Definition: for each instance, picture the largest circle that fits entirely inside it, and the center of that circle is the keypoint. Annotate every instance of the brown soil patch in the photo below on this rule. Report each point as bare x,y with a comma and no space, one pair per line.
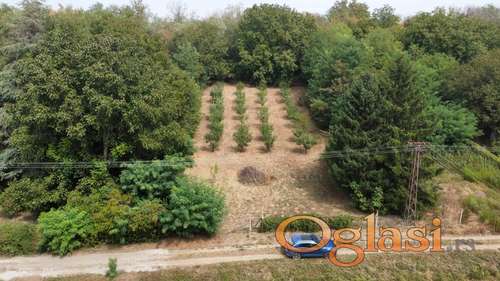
252,176
300,184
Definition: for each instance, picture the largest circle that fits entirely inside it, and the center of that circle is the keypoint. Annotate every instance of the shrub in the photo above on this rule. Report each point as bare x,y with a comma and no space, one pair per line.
194,208
240,86
267,134
116,219
213,137
242,136
18,238
216,116
262,95
488,208
301,137
306,140
144,220
153,180
340,221
65,230
270,223
30,195
264,114
112,271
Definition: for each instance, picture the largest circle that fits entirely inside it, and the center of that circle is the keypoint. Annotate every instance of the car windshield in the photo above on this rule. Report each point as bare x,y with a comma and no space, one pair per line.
306,244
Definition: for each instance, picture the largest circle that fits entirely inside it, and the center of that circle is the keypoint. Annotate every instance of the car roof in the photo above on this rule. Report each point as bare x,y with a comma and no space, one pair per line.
302,238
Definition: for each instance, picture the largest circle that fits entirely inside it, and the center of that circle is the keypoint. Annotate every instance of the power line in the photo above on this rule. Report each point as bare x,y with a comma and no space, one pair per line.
87,165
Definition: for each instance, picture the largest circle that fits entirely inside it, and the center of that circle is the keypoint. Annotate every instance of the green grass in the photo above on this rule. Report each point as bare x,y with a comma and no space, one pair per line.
481,166
475,165
459,266
18,238
487,207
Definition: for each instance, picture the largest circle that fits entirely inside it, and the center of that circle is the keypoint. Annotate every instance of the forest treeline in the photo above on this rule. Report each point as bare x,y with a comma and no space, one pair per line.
116,84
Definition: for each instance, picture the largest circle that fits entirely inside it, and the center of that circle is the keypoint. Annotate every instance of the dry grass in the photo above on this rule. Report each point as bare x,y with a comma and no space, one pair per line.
419,267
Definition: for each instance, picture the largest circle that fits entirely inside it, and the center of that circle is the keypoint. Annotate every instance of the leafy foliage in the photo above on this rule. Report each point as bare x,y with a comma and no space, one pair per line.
380,110
301,136
352,13
270,223
32,195
329,64
270,43
216,125
65,230
242,136
18,238
194,208
88,91
112,271
210,40
450,33
476,85
153,180
488,208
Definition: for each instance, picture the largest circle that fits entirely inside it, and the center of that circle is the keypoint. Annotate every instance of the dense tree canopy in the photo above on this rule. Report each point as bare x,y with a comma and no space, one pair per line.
476,85
329,63
382,108
211,43
451,33
99,86
353,13
270,43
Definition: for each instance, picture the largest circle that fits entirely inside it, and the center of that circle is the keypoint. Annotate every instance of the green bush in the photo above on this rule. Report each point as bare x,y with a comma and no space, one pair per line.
216,117
270,223
270,43
488,208
240,103
30,195
242,136
65,230
194,208
301,137
144,220
153,180
307,141
112,271
262,95
18,238
266,130
264,114
116,218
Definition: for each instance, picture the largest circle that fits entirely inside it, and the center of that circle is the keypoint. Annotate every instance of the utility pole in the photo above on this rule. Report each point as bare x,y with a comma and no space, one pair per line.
411,205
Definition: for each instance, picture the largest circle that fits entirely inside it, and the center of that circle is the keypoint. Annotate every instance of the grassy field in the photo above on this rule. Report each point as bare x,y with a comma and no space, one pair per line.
454,267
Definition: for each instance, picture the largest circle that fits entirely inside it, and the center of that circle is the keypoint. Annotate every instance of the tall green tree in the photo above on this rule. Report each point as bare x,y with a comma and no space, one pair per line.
354,14
382,108
329,63
98,86
450,33
476,85
211,41
270,43
386,17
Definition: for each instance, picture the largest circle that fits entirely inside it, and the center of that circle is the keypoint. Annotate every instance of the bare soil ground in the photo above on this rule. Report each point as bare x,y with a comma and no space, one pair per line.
298,184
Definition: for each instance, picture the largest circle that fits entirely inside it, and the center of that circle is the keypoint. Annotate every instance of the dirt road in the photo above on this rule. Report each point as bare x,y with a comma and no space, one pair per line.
157,259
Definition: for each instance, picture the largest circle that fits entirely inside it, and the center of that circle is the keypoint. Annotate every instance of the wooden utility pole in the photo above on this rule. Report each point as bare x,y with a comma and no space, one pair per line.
411,205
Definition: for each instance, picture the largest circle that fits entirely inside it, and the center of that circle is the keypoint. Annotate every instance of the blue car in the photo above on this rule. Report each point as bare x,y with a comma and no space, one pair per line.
308,241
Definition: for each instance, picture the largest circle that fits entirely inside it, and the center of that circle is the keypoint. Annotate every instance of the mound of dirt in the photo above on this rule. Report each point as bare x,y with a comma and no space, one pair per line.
251,176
